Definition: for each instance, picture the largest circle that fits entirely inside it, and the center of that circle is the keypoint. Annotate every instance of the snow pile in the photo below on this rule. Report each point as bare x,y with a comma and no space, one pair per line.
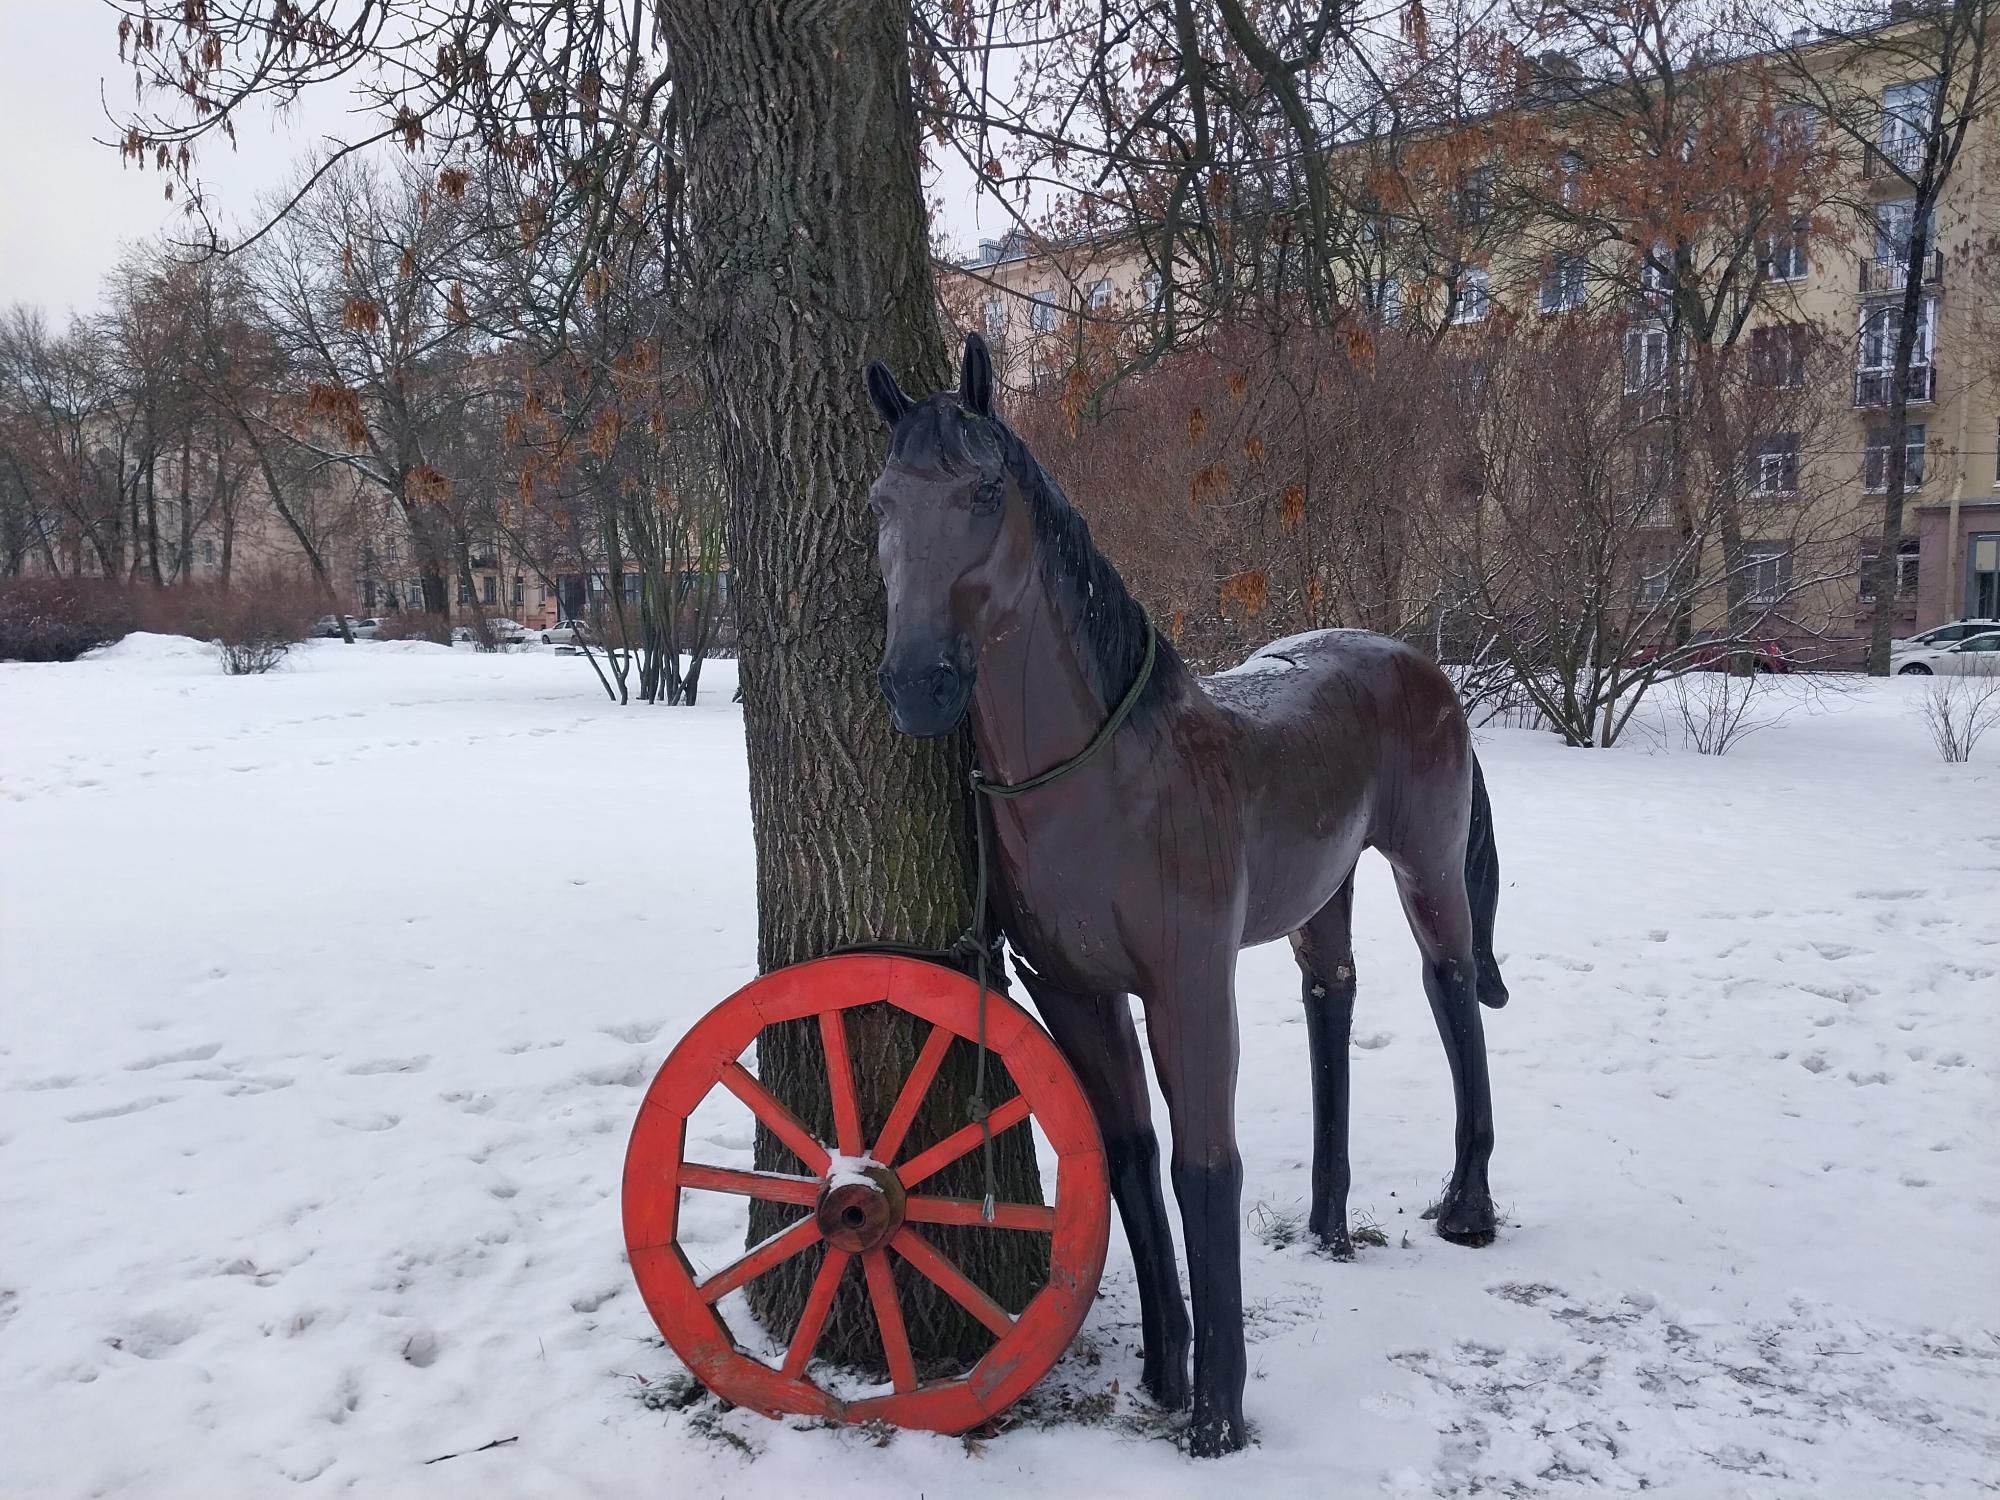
329,998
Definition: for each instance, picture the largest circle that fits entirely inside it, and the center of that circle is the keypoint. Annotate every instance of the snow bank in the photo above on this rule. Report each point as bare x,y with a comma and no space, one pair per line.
330,996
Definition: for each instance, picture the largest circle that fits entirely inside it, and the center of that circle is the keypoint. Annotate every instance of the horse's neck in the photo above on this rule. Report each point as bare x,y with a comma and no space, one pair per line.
1034,703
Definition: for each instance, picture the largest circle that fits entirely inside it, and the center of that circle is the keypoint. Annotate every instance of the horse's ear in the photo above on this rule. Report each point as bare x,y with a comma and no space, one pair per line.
975,377
886,394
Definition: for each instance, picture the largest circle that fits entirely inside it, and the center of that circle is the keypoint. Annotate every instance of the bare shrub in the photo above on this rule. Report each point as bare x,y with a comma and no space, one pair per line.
415,625
1718,710
58,619
1958,711
254,627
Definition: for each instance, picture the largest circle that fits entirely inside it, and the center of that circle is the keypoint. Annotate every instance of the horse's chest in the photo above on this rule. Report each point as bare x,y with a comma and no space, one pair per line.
1060,901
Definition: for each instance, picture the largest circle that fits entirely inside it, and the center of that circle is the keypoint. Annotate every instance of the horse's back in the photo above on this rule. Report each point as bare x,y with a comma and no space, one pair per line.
1343,739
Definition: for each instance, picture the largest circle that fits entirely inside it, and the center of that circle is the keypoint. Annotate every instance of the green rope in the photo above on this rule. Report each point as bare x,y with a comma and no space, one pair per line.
976,935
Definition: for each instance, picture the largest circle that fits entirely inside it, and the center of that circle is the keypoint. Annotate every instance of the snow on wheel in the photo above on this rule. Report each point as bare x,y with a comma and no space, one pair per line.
866,1198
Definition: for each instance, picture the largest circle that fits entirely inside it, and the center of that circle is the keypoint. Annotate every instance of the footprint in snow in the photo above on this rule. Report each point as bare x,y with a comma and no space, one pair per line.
371,1121
1897,893
638,1032
151,1101
390,1065
185,1054
1374,1041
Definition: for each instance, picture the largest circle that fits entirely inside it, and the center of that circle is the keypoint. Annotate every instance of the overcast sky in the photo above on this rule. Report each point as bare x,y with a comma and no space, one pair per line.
68,205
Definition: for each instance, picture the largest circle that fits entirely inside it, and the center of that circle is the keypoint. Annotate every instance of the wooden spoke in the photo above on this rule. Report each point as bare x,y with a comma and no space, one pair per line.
915,1087
775,1251
966,1211
935,1264
955,1145
840,1082
772,1187
781,1121
889,1318
819,1302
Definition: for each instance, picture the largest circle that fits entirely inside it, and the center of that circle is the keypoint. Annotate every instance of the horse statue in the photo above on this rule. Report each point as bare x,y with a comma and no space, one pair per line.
1147,824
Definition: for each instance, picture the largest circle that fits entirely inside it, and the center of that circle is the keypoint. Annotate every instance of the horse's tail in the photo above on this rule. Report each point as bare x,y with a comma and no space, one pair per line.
1482,887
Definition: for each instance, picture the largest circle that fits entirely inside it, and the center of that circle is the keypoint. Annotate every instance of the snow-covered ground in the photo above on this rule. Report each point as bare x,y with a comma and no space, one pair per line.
329,997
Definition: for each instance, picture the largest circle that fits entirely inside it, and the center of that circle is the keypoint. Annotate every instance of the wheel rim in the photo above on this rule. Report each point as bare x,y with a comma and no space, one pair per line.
866,1198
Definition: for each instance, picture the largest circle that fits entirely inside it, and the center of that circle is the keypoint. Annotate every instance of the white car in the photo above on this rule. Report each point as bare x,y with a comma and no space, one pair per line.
367,630
1942,635
1977,655
569,633
506,632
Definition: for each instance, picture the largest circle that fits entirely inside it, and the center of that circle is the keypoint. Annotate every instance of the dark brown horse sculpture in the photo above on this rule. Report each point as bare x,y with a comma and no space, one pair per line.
1223,811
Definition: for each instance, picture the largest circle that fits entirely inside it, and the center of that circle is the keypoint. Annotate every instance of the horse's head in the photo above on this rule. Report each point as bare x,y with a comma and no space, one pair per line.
939,507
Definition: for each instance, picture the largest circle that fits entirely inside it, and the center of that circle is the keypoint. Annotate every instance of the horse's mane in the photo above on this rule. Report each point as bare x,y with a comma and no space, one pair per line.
1108,625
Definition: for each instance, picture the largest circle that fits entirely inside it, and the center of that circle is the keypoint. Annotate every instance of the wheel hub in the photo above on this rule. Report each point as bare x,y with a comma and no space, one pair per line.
860,1205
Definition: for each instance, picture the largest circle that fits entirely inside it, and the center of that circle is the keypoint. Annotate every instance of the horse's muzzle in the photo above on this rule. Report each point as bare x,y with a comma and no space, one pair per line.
928,700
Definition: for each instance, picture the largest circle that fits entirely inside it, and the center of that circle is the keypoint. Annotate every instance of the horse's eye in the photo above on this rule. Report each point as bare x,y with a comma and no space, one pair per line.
987,496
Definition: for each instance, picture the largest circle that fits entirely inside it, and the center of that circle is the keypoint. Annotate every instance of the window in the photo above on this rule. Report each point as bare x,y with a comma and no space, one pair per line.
464,592
1654,569
1652,484
1656,272
1468,383
1152,288
1042,315
1767,567
1386,297
995,316
1792,132
1569,179
1563,284
1778,356
1475,196
1907,109
1469,302
629,583
1895,223
490,589
1875,459
1099,294
368,595
1875,353
520,591
1982,594
1907,558
1774,464
208,551
1645,359
1784,253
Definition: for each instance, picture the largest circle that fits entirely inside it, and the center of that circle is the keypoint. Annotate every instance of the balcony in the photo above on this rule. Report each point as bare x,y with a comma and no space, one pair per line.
1883,276
1873,387
1893,164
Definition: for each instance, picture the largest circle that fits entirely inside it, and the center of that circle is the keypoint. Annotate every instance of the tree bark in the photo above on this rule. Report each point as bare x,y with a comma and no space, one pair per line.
807,241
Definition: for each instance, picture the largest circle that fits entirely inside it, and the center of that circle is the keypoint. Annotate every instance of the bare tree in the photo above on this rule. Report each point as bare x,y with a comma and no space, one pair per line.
1903,95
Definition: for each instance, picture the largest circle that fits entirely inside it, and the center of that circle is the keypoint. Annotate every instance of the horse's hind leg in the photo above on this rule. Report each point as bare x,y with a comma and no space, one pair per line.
1095,1033
1440,915
1324,948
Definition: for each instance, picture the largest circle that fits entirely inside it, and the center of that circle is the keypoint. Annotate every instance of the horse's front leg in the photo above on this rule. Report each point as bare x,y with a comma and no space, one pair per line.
1096,1035
1191,1028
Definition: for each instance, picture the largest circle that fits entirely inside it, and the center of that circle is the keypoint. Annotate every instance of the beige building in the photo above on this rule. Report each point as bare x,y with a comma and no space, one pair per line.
1837,273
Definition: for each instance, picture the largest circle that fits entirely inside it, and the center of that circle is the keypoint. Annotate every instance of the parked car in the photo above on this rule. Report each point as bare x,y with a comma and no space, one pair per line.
327,627
506,632
1977,655
569,633
1943,635
368,629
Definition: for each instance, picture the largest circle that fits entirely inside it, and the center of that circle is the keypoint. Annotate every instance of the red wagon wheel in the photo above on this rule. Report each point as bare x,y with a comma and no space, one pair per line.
867,1199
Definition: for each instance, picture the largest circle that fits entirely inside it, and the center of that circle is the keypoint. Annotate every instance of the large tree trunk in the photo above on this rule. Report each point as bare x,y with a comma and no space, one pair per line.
807,241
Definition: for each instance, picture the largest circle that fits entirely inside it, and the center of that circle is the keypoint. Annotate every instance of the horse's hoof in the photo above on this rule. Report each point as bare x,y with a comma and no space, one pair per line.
1335,1246
1216,1436
1468,1220
1167,1383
